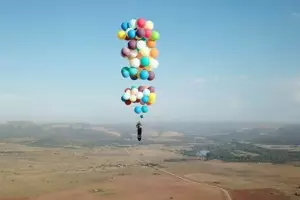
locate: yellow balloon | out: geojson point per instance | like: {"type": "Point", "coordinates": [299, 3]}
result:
{"type": "Point", "coordinates": [152, 97]}
{"type": "Point", "coordinates": [132, 98]}
{"type": "Point", "coordinates": [138, 74]}
{"type": "Point", "coordinates": [148, 68]}
{"type": "Point", "coordinates": [145, 51]}
{"type": "Point", "coordinates": [152, 102]}
{"type": "Point", "coordinates": [121, 35]}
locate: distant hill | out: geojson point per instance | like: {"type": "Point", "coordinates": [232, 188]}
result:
{"type": "Point", "coordinates": [285, 135]}
{"type": "Point", "coordinates": [58, 134]}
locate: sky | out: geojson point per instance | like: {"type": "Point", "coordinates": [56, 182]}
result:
{"type": "Point", "coordinates": [219, 60]}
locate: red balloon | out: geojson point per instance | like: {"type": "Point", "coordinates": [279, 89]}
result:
{"type": "Point", "coordinates": [126, 90]}
{"type": "Point", "coordinates": [141, 23]}
{"type": "Point", "coordinates": [137, 101]}
{"type": "Point", "coordinates": [128, 102]}
{"type": "Point", "coordinates": [147, 33]}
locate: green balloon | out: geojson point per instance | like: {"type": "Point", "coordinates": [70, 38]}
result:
{"type": "Point", "coordinates": [133, 71]}
{"type": "Point", "coordinates": [155, 35]}
{"type": "Point", "coordinates": [145, 61]}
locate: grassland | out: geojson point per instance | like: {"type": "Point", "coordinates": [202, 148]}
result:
{"type": "Point", "coordinates": [91, 163]}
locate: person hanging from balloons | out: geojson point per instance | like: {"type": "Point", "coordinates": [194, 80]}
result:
{"type": "Point", "coordinates": [139, 130]}
{"type": "Point", "coordinates": [141, 53]}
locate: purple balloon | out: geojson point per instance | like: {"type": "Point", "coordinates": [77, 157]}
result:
{"type": "Point", "coordinates": [141, 88]}
{"type": "Point", "coordinates": [125, 52]}
{"type": "Point", "coordinates": [132, 44]}
{"type": "Point", "coordinates": [152, 89]}
{"type": "Point", "coordinates": [140, 33]}
{"type": "Point", "coordinates": [151, 76]}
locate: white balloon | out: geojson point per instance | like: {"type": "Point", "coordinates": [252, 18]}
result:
{"type": "Point", "coordinates": [134, 91]}
{"type": "Point", "coordinates": [145, 51]}
{"type": "Point", "coordinates": [126, 96]}
{"type": "Point", "coordinates": [140, 95]}
{"type": "Point", "coordinates": [132, 23]}
{"type": "Point", "coordinates": [141, 44]}
{"type": "Point", "coordinates": [132, 98]}
{"type": "Point", "coordinates": [149, 25]}
{"type": "Point", "coordinates": [133, 53]}
{"type": "Point", "coordinates": [153, 63]}
{"type": "Point", "coordinates": [135, 62]}
{"type": "Point", "coordinates": [146, 92]}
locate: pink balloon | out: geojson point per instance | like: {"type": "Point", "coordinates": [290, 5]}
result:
{"type": "Point", "coordinates": [152, 89]}
{"type": "Point", "coordinates": [148, 33]}
{"type": "Point", "coordinates": [141, 23]}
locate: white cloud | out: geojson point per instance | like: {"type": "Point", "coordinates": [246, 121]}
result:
{"type": "Point", "coordinates": [290, 88]}
{"type": "Point", "coordinates": [7, 96]}
{"type": "Point", "coordinates": [234, 102]}
{"type": "Point", "coordinates": [297, 95]}
{"type": "Point", "coordinates": [200, 80]}
{"type": "Point", "coordinates": [216, 78]}
{"type": "Point", "coordinates": [295, 14]}
{"type": "Point", "coordinates": [242, 77]}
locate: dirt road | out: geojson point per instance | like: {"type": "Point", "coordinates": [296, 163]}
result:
{"type": "Point", "coordinates": [225, 192]}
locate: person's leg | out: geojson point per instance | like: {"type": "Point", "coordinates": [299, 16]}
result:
{"type": "Point", "coordinates": [139, 136]}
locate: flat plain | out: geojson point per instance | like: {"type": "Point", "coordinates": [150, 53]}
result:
{"type": "Point", "coordinates": [108, 172]}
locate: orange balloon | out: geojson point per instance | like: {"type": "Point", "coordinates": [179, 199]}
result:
{"type": "Point", "coordinates": [139, 56]}
{"type": "Point", "coordinates": [149, 104]}
{"type": "Point", "coordinates": [141, 68]}
{"type": "Point", "coordinates": [154, 53]}
{"type": "Point", "coordinates": [151, 43]}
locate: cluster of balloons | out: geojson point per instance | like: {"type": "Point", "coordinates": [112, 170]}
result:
{"type": "Point", "coordinates": [143, 94]}
{"type": "Point", "coordinates": [141, 50]}
{"type": "Point", "coordinates": [142, 54]}
{"type": "Point", "coordinates": [135, 73]}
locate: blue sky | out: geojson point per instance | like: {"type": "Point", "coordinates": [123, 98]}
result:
{"type": "Point", "coordinates": [219, 60]}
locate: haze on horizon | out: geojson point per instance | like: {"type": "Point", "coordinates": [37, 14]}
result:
{"type": "Point", "coordinates": [233, 60]}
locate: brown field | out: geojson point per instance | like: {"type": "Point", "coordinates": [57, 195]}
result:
{"type": "Point", "coordinates": [251, 180]}
{"type": "Point", "coordinates": [111, 173]}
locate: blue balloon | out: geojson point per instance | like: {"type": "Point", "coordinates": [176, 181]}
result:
{"type": "Point", "coordinates": [125, 72]}
{"type": "Point", "coordinates": [144, 109]}
{"type": "Point", "coordinates": [144, 74]}
{"type": "Point", "coordinates": [131, 34]}
{"type": "Point", "coordinates": [145, 99]}
{"type": "Point", "coordinates": [133, 71]}
{"type": "Point", "coordinates": [122, 98]}
{"type": "Point", "coordinates": [125, 26]}
{"type": "Point", "coordinates": [125, 69]}
{"type": "Point", "coordinates": [137, 109]}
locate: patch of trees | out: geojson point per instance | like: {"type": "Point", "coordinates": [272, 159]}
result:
{"type": "Point", "coordinates": [226, 153]}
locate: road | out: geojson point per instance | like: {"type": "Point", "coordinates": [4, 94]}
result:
{"type": "Point", "coordinates": [225, 192]}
